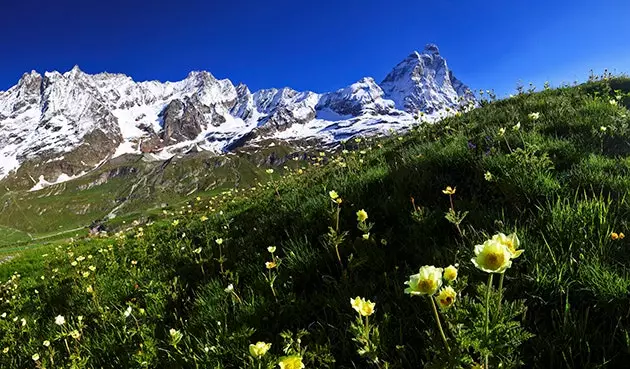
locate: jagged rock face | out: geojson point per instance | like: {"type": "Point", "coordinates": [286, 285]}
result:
{"type": "Point", "coordinates": [423, 83]}
{"type": "Point", "coordinates": [362, 97]}
{"type": "Point", "coordinates": [65, 124]}
{"type": "Point", "coordinates": [244, 107]}
{"type": "Point", "coordinates": [181, 122]}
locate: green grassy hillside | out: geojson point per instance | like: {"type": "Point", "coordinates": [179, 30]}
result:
{"type": "Point", "coordinates": [196, 286]}
{"type": "Point", "coordinates": [128, 187]}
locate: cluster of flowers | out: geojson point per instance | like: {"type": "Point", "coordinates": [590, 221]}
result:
{"type": "Point", "coordinates": [493, 256]}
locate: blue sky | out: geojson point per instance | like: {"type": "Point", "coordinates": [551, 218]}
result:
{"type": "Point", "coordinates": [318, 46]}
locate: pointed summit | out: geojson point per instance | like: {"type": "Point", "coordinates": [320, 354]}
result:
{"type": "Point", "coordinates": [423, 82]}
{"type": "Point", "coordinates": [431, 49]}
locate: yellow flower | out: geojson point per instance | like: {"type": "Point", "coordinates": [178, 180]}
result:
{"type": "Point", "coordinates": [362, 306]}
{"type": "Point", "coordinates": [614, 236]}
{"type": "Point", "coordinates": [35, 357]}
{"type": "Point", "coordinates": [450, 273]}
{"type": "Point", "coordinates": [203, 218]}
{"type": "Point", "coordinates": [259, 349]}
{"type": "Point", "coordinates": [339, 201]}
{"type": "Point", "coordinates": [333, 195]}
{"type": "Point", "coordinates": [75, 334]}
{"type": "Point", "coordinates": [621, 236]}
{"type": "Point", "coordinates": [426, 282]}
{"type": "Point", "coordinates": [533, 116]}
{"type": "Point", "coordinates": [219, 241]}
{"type": "Point", "coordinates": [362, 215]}
{"type": "Point", "coordinates": [511, 241]}
{"type": "Point", "coordinates": [492, 257]}
{"type": "Point", "coordinates": [269, 171]}
{"type": "Point", "coordinates": [175, 223]}
{"type": "Point", "coordinates": [449, 190]}
{"type": "Point", "coordinates": [501, 131]}
{"type": "Point", "coordinates": [446, 297]}
{"type": "Point", "coordinates": [271, 249]}
{"type": "Point", "coordinates": [271, 264]}
{"type": "Point", "coordinates": [291, 362]}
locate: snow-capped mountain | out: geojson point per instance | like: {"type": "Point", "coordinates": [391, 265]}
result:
{"type": "Point", "coordinates": [58, 126]}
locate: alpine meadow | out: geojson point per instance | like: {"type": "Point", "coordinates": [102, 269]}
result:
{"type": "Point", "coordinates": [492, 237]}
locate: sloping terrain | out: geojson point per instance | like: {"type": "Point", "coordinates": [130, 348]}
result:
{"type": "Point", "coordinates": [190, 288]}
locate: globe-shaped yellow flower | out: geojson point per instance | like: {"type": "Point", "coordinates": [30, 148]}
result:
{"type": "Point", "coordinates": [362, 306]}
{"type": "Point", "coordinates": [450, 273]}
{"type": "Point", "coordinates": [362, 215]}
{"type": "Point", "coordinates": [426, 282]}
{"type": "Point", "coordinates": [291, 362]}
{"type": "Point", "coordinates": [259, 349]}
{"type": "Point", "coordinates": [446, 297]}
{"type": "Point", "coordinates": [492, 257]}
{"type": "Point", "coordinates": [511, 241]}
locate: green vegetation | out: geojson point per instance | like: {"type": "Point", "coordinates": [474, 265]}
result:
{"type": "Point", "coordinates": [283, 263]}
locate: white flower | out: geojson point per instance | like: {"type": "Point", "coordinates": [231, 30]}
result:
{"type": "Point", "coordinates": [229, 288]}
{"type": "Point", "coordinates": [60, 320]}
{"type": "Point", "coordinates": [35, 357]}
{"type": "Point", "coordinates": [127, 312]}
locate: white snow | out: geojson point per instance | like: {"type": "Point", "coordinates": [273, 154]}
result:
{"type": "Point", "coordinates": [55, 120]}
{"type": "Point", "coordinates": [43, 183]}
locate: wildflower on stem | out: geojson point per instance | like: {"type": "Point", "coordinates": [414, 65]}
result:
{"type": "Point", "coordinates": [449, 190]}
{"type": "Point", "coordinates": [291, 362]}
{"type": "Point", "coordinates": [259, 349]}
{"type": "Point", "coordinates": [362, 306]}
{"type": "Point", "coordinates": [175, 335]}
{"type": "Point", "coordinates": [446, 297]}
{"type": "Point", "coordinates": [426, 282]}
{"type": "Point", "coordinates": [533, 116]}
{"type": "Point", "coordinates": [492, 257]}
{"type": "Point", "coordinates": [450, 273]}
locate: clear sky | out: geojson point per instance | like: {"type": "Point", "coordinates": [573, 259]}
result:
{"type": "Point", "coordinates": [320, 45]}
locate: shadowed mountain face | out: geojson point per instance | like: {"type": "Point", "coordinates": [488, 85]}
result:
{"type": "Point", "coordinates": [58, 126]}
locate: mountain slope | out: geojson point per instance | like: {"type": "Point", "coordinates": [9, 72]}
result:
{"type": "Point", "coordinates": [164, 294]}
{"type": "Point", "coordinates": [58, 126]}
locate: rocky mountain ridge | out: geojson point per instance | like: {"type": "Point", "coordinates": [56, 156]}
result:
{"type": "Point", "coordinates": [55, 126]}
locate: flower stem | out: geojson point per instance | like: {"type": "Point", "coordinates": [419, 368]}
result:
{"type": "Point", "coordinates": [501, 290]}
{"type": "Point", "coordinates": [488, 313]}
{"type": "Point", "coordinates": [437, 320]}
{"type": "Point", "coordinates": [338, 256]}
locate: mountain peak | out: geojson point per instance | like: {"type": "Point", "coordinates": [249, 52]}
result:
{"type": "Point", "coordinates": [60, 112]}
{"type": "Point", "coordinates": [431, 49]}
{"type": "Point", "coordinates": [423, 82]}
